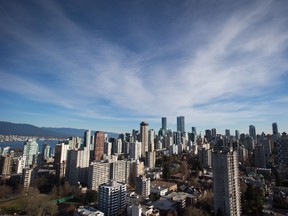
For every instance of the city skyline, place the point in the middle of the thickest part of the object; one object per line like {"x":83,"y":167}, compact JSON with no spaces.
{"x":109,"y":66}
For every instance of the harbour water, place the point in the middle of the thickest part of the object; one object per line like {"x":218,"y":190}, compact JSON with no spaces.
{"x":20,"y":144}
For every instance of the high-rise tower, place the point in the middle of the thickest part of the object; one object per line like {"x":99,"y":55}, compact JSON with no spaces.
{"x":208,"y":135}
{"x":194,"y":130}
{"x":275,"y":128}
{"x":259,"y":156}
{"x":227,"y":133}
{"x":144,"y":137}
{"x":135,"y":150}
{"x":112,"y":198}
{"x":99,"y":145}
{"x":151,"y":136}
{"x":87,"y":138}
{"x":60,"y":159}
{"x":237,"y":135}
{"x":164,"y":123}
{"x":6,"y":162}
{"x":98,"y":173}
{"x":181,"y":124}
{"x":226,"y":185}
{"x":213,"y":132}
{"x":77,"y":165}
{"x":46,"y":150}
{"x":252,"y":132}
{"x":30,"y":152}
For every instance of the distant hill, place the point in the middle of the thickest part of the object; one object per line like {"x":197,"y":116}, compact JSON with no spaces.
{"x":77,"y":132}
{"x":8,"y":128}
{"x":67,"y":131}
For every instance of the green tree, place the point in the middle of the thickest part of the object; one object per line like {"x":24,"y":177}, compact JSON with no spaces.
{"x":159,"y":162}
{"x":192,"y":211}
{"x":250,"y":193}
{"x":205,"y":201}
{"x":37,"y":204}
{"x":50,"y":209}
{"x":167,"y":172}
{"x":91,"y":196}
{"x":253,"y":200}
{"x":184,"y":169}
{"x":66,"y":190}
{"x":278,"y":178}
{"x":5,"y":191}
{"x":194,"y":163}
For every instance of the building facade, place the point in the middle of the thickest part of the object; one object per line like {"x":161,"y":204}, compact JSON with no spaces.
{"x":282,"y":151}
{"x":112,"y":198}
{"x":120,"y":171}
{"x":27,"y":177}
{"x":259,"y":156}
{"x":30,"y":152}
{"x":135,"y":150}
{"x":99,"y":173}
{"x":142,"y":186}
{"x":150,"y":159}
{"x":275,"y":128}
{"x":226,"y":185}
{"x":181,"y":124}
{"x":137,"y":169}
{"x":99,"y":145}
{"x":164,"y":123}
{"x":252,"y":132}
{"x":144,"y":137}
{"x":77,"y":165}
{"x":87,"y":138}
{"x":46,"y":150}
{"x":60,"y":159}
{"x":6,"y":163}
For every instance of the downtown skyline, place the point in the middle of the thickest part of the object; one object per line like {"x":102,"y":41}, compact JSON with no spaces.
{"x":110,"y":65}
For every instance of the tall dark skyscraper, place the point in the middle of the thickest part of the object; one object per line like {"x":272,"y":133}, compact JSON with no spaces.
{"x":252,"y":132}
{"x":275,"y":128}
{"x":194,"y":130}
{"x":193,"y":134}
{"x":135,"y":135}
{"x":227,"y":133}
{"x":237,"y":135}
{"x":181,"y":124}
{"x":214,"y":133}
{"x":208,"y":135}
{"x":87,"y":138}
{"x":164,"y":123}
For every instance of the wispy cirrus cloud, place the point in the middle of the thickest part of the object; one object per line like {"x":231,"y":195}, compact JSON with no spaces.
{"x":199,"y":70}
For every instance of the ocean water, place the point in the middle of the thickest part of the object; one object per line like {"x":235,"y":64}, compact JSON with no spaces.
{"x":20,"y":144}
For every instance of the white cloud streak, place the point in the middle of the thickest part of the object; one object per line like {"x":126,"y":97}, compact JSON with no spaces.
{"x":244,"y":55}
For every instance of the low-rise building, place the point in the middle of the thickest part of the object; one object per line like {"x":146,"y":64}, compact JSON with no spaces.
{"x":182,"y":199}
{"x":139,"y":210}
{"x":163,"y":184}
{"x":280,"y":197}
{"x":87,"y":211}
{"x":161,"y":191}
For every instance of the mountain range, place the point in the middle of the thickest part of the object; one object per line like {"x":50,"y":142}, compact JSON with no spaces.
{"x":9,"y":128}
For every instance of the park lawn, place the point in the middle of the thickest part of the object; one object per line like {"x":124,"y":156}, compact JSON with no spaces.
{"x":18,"y":204}
{"x":12,"y":206}
{"x":68,"y":207}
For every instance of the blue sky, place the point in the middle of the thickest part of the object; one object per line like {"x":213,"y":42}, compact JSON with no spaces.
{"x":108,"y":65}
